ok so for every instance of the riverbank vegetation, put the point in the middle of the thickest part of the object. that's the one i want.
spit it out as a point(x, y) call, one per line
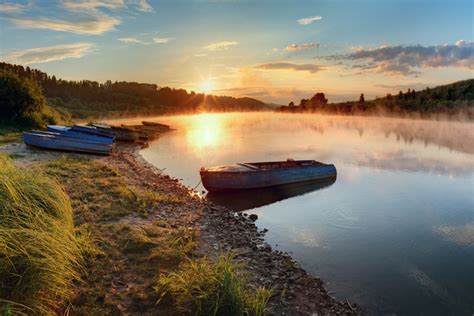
point(23, 104)
point(454, 100)
point(103, 248)
point(41, 253)
point(203, 288)
point(91, 99)
point(88, 99)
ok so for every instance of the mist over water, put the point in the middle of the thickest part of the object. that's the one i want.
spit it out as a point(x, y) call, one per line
point(394, 232)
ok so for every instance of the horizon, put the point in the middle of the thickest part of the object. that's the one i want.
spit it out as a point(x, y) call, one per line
point(281, 53)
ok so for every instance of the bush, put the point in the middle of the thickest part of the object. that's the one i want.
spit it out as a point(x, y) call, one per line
point(204, 288)
point(23, 103)
point(39, 251)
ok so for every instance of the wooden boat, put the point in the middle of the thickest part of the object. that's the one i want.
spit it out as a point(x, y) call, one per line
point(68, 131)
point(57, 141)
point(147, 123)
point(264, 174)
point(93, 131)
point(121, 133)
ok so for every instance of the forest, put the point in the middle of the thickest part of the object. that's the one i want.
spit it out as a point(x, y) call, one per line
point(91, 99)
point(86, 99)
point(455, 99)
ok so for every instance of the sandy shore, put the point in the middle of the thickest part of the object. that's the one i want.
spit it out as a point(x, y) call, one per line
point(219, 229)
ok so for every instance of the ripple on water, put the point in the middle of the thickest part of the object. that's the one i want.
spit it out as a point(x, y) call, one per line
point(342, 220)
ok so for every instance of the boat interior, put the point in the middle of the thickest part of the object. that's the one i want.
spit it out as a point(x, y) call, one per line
point(289, 163)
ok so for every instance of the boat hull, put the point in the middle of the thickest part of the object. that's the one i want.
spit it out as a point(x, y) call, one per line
point(67, 131)
point(93, 131)
point(58, 142)
point(215, 181)
point(121, 134)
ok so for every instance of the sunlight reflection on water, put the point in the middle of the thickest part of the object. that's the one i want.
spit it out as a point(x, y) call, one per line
point(393, 232)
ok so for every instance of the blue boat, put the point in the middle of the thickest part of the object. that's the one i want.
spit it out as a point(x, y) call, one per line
point(57, 141)
point(68, 131)
point(254, 175)
point(93, 131)
point(121, 133)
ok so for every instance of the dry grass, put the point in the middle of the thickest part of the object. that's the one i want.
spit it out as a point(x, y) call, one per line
point(203, 287)
point(123, 249)
point(9, 134)
point(99, 193)
point(40, 252)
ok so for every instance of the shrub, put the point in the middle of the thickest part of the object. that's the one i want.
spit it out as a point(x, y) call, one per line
point(23, 103)
point(39, 251)
point(201, 287)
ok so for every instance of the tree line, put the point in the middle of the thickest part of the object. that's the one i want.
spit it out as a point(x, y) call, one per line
point(452, 99)
point(86, 98)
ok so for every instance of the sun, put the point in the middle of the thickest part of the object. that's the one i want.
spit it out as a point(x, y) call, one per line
point(207, 86)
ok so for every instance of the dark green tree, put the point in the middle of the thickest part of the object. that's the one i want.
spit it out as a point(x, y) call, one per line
point(20, 98)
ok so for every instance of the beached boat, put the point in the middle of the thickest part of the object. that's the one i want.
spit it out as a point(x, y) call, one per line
point(56, 141)
point(121, 133)
point(264, 174)
point(93, 131)
point(154, 124)
point(68, 131)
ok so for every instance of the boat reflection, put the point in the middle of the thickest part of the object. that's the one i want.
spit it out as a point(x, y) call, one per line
point(253, 198)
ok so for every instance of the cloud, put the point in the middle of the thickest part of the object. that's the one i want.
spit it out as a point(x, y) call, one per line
point(289, 66)
point(407, 60)
point(92, 4)
point(93, 23)
point(309, 20)
point(298, 47)
point(48, 54)
point(131, 40)
point(134, 40)
point(161, 40)
point(220, 45)
point(12, 7)
point(85, 16)
point(141, 5)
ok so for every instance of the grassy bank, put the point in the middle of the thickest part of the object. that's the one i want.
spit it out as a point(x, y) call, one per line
point(40, 250)
point(203, 288)
point(9, 134)
point(137, 257)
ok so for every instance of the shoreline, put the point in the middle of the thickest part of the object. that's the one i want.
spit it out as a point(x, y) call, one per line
point(222, 229)
point(295, 292)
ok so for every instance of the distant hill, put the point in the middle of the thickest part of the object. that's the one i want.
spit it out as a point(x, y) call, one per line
point(455, 99)
point(91, 99)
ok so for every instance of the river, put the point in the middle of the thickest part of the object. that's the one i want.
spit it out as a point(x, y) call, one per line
point(394, 232)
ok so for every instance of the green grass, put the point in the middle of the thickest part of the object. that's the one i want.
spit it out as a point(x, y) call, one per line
point(128, 246)
point(100, 194)
point(40, 254)
point(105, 234)
point(9, 134)
point(203, 287)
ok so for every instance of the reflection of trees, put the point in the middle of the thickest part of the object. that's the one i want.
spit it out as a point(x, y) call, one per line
point(403, 160)
point(453, 135)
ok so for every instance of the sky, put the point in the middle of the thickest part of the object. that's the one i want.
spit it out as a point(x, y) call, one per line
point(273, 50)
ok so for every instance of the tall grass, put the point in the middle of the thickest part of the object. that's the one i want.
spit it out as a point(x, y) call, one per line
point(39, 252)
point(202, 287)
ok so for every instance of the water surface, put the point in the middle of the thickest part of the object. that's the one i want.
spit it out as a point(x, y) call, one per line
point(394, 232)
